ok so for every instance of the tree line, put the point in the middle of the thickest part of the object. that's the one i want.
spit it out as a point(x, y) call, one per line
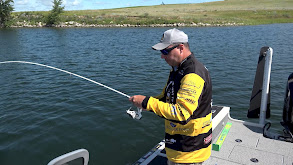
point(6, 8)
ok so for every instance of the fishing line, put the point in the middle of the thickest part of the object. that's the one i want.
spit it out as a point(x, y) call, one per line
point(132, 113)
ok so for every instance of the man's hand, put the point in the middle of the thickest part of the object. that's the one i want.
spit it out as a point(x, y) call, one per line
point(137, 100)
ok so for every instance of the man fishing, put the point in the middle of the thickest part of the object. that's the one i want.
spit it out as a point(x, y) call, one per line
point(185, 102)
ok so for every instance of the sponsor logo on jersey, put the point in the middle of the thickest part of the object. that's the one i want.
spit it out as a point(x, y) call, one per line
point(207, 139)
point(172, 125)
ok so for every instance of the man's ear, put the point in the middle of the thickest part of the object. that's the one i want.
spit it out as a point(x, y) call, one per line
point(181, 47)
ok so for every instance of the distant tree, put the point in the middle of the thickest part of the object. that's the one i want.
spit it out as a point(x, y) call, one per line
point(5, 12)
point(54, 15)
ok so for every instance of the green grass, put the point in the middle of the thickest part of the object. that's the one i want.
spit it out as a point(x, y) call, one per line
point(246, 12)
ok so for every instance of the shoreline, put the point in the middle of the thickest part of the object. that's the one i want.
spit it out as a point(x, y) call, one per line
point(212, 14)
point(72, 24)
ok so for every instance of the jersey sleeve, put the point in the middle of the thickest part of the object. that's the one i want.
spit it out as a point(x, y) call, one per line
point(188, 97)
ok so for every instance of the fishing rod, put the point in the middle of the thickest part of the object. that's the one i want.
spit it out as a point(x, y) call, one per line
point(132, 113)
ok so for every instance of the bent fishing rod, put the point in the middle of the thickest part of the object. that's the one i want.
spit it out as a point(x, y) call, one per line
point(132, 113)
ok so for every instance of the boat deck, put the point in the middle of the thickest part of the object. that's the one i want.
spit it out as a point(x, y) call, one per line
point(244, 144)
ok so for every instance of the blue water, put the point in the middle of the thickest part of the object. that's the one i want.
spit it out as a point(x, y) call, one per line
point(45, 113)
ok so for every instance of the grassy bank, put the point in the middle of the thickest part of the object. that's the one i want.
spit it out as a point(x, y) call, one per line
point(228, 12)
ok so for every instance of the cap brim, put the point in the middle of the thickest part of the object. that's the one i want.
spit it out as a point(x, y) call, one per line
point(160, 46)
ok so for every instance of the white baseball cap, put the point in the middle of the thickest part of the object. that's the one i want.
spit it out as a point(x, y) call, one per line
point(171, 36)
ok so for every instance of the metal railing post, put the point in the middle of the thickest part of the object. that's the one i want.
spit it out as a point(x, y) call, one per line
point(265, 86)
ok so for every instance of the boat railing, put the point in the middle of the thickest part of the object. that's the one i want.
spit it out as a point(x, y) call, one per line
point(266, 85)
point(80, 156)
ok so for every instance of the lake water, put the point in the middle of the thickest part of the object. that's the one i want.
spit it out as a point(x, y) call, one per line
point(45, 113)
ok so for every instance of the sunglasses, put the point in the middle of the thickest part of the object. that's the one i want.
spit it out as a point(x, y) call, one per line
point(167, 51)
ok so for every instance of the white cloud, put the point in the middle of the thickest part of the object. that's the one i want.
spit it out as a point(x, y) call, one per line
point(71, 2)
point(46, 2)
point(24, 5)
point(76, 2)
point(21, 2)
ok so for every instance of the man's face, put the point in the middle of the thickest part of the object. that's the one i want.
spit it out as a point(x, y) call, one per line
point(173, 57)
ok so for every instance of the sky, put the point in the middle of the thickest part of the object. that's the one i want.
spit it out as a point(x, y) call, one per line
point(46, 5)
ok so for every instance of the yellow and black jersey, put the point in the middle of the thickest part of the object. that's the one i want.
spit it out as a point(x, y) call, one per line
point(185, 103)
